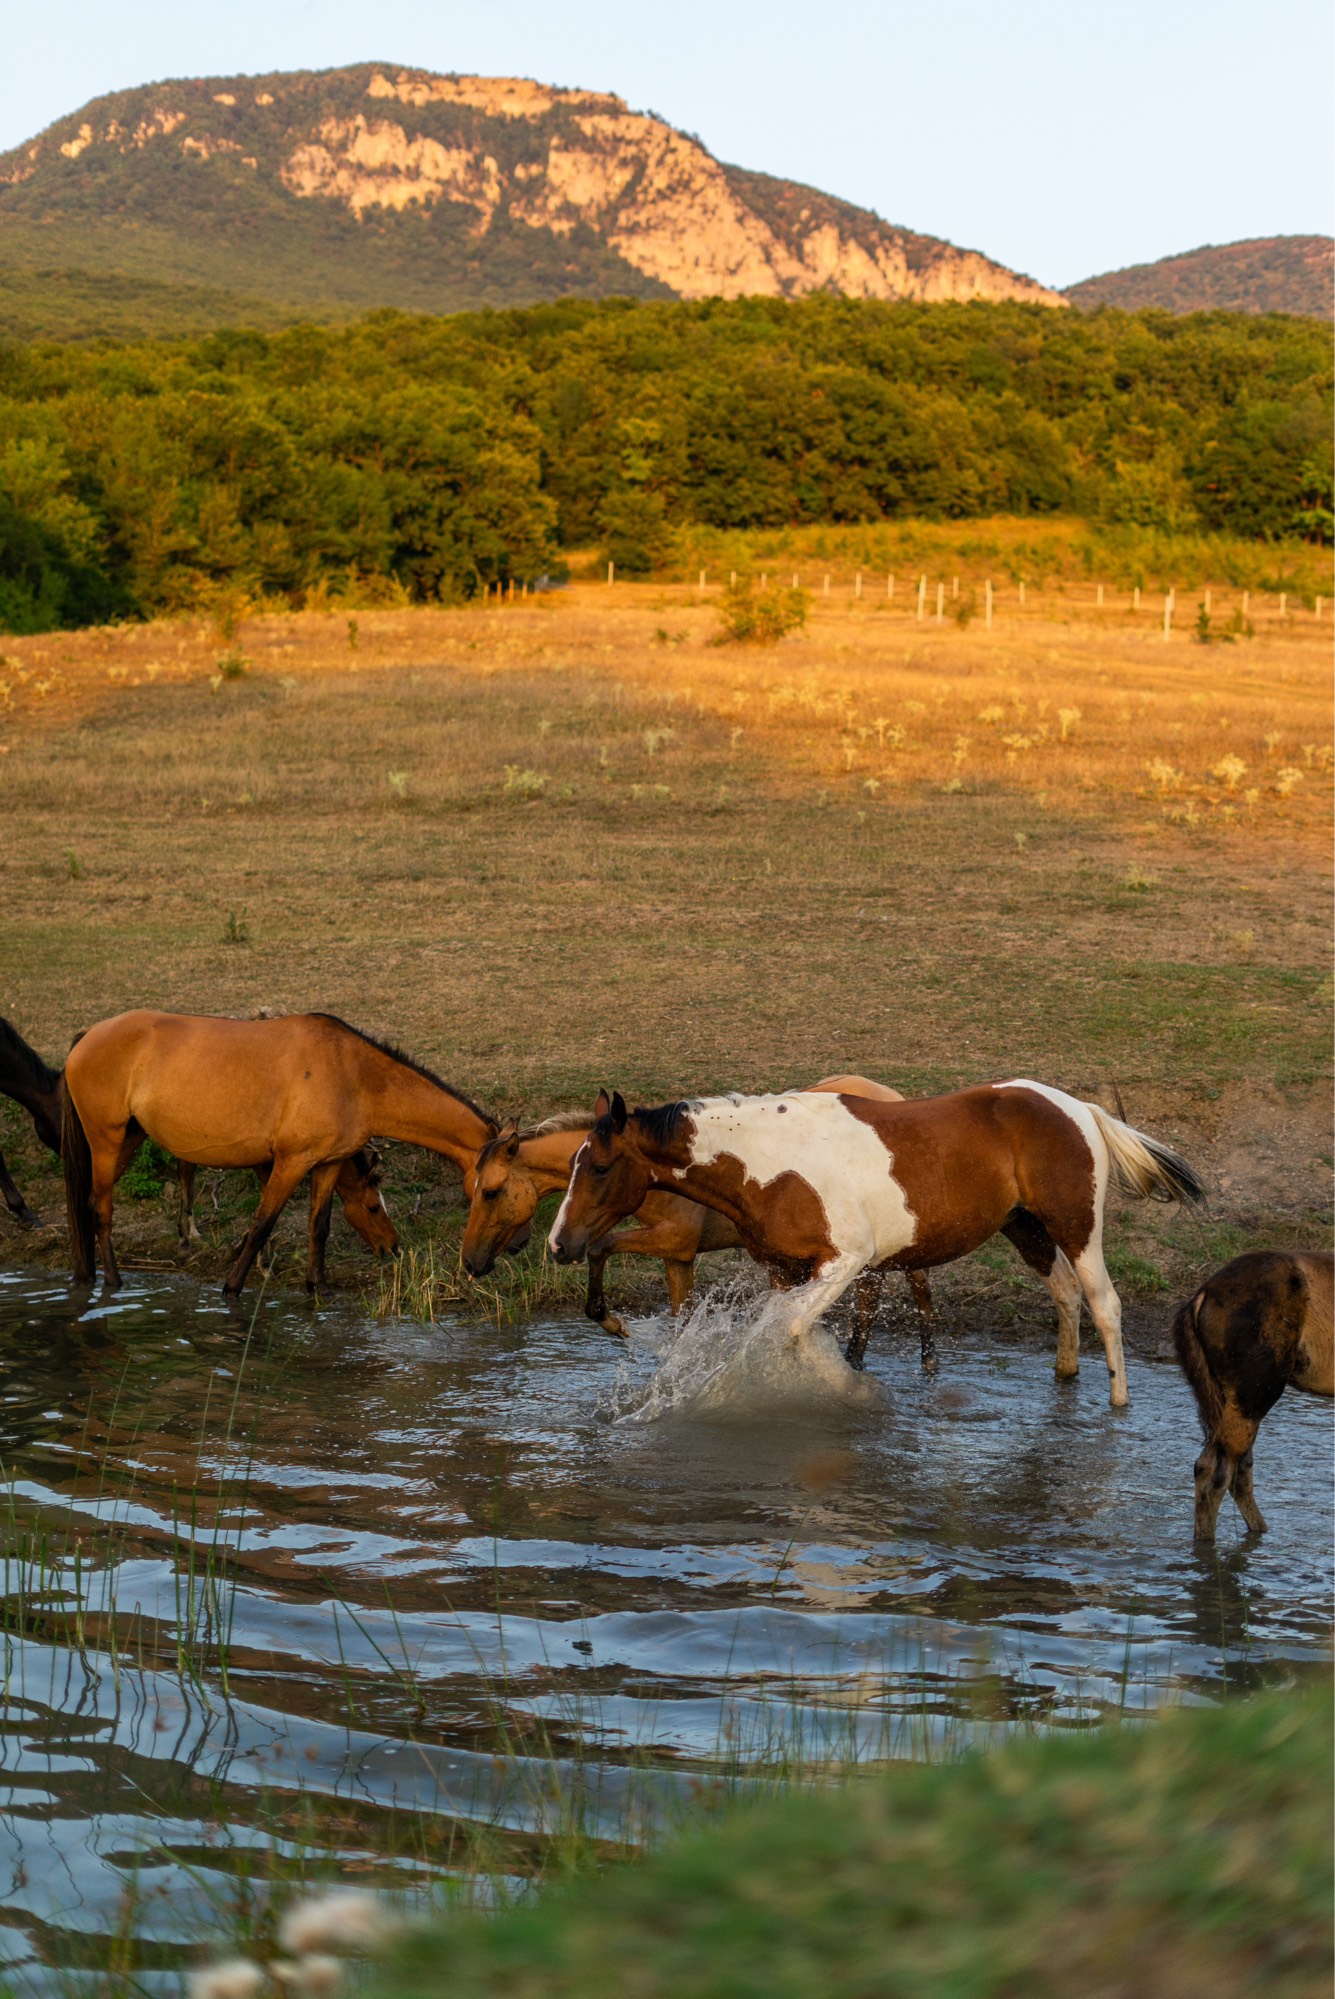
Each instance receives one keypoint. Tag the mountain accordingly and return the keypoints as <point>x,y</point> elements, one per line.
<point>342,190</point>
<point>1265,274</point>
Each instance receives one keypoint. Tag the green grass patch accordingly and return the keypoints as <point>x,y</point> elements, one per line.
<point>1190,1855</point>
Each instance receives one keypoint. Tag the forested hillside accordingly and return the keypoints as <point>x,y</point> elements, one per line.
<point>1264,274</point>
<point>446,453</point>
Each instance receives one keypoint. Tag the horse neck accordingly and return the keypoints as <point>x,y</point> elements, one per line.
<point>672,1170</point>
<point>549,1157</point>
<point>416,1111</point>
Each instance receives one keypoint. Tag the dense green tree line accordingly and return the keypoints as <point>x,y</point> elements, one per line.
<point>443,454</point>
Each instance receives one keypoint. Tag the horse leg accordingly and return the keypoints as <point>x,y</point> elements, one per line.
<point>185,1221</point>
<point>323,1179</point>
<point>921,1287</point>
<point>1241,1488</point>
<point>1052,1264</point>
<point>595,1299</point>
<point>1105,1309</point>
<point>866,1297</point>
<point>284,1178</point>
<point>1214,1475</point>
<point>680,1271</point>
<point>108,1165</point>
<point>14,1200</point>
<point>818,1294</point>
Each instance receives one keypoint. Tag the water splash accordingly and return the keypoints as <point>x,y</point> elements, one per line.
<point>733,1357</point>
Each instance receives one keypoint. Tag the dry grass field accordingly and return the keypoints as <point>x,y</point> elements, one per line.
<point>574,840</point>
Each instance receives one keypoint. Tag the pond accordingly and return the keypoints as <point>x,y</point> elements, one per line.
<point>293,1593</point>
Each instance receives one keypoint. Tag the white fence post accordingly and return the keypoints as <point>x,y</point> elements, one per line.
<point>611,572</point>
<point>987,604</point>
<point>857,584</point>
<point>940,602</point>
<point>702,582</point>
<point>890,588</point>
<point>1167,615</point>
<point>922,597</point>
<point>1022,595</point>
<point>1135,598</point>
<point>1099,599</point>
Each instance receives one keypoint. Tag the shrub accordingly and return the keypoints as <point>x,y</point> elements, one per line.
<point>147,1173</point>
<point>760,617</point>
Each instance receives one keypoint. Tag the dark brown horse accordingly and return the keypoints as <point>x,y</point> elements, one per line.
<point>829,1186</point>
<point>1260,1325</point>
<point>289,1096</point>
<point>517,1169</point>
<point>30,1081</point>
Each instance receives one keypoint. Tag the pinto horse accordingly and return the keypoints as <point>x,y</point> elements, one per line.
<point>1264,1323</point>
<point>829,1186</point>
<point>517,1169</point>
<point>297,1094</point>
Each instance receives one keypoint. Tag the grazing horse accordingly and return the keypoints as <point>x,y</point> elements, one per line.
<point>30,1081</point>
<point>517,1169</point>
<point>1260,1325</point>
<point>359,1195</point>
<point>298,1094</point>
<point>829,1186</point>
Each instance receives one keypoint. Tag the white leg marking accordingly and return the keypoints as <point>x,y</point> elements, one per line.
<point>1106,1311</point>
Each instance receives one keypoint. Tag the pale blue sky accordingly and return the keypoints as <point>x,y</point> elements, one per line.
<point>1062,138</point>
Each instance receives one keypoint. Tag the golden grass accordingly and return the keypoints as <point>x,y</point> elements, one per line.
<point>575,842</point>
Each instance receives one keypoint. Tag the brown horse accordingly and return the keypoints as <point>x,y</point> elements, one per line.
<point>829,1186</point>
<point>1264,1323</point>
<point>358,1190</point>
<point>517,1169</point>
<point>30,1081</point>
<point>296,1095</point>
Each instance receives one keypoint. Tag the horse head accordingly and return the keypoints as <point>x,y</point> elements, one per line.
<point>609,1180</point>
<point>364,1204</point>
<point>502,1195</point>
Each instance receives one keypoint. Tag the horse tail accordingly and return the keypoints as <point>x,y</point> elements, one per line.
<point>1195,1363</point>
<point>1142,1166</point>
<point>77,1159</point>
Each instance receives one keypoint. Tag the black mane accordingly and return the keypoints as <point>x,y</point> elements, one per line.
<point>661,1126</point>
<point>21,1066</point>
<point>418,1068</point>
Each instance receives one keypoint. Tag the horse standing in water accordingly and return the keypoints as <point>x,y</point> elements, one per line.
<point>30,1081</point>
<point>829,1186</point>
<point>1264,1323</point>
<point>517,1169</point>
<point>294,1095</point>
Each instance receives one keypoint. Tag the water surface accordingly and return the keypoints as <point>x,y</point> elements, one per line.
<point>287,1587</point>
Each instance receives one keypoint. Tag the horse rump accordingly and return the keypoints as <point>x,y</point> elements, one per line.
<point>1144,1167</point>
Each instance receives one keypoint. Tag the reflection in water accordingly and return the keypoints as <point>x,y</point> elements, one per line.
<point>312,1591</point>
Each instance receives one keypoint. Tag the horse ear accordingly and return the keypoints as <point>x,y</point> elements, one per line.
<point>603,1105</point>
<point>618,1111</point>
<point>511,1137</point>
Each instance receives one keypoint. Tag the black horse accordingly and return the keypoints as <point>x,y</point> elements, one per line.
<point>26,1078</point>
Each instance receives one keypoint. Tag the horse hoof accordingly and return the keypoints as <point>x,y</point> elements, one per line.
<point>611,1324</point>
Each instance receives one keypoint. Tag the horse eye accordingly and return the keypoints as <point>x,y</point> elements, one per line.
<point>600,1172</point>
<point>491,1193</point>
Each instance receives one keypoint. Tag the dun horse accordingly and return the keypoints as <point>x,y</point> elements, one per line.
<point>1258,1326</point>
<point>30,1081</point>
<point>517,1169</point>
<point>295,1095</point>
<point>829,1186</point>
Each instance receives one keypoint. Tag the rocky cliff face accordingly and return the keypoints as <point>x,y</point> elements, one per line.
<point>458,172</point>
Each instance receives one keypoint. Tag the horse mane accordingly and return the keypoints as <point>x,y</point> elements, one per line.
<point>660,1126</point>
<point>561,1121</point>
<point>407,1061</point>
<point>21,1064</point>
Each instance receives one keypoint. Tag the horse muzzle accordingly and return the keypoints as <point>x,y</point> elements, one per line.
<point>478,1262</point>
<point>569,1246</point>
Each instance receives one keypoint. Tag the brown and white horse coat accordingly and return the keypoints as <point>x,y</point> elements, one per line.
<point>828,1186</point>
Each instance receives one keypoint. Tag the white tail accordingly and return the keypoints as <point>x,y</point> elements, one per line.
<point>1143,1167</point>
